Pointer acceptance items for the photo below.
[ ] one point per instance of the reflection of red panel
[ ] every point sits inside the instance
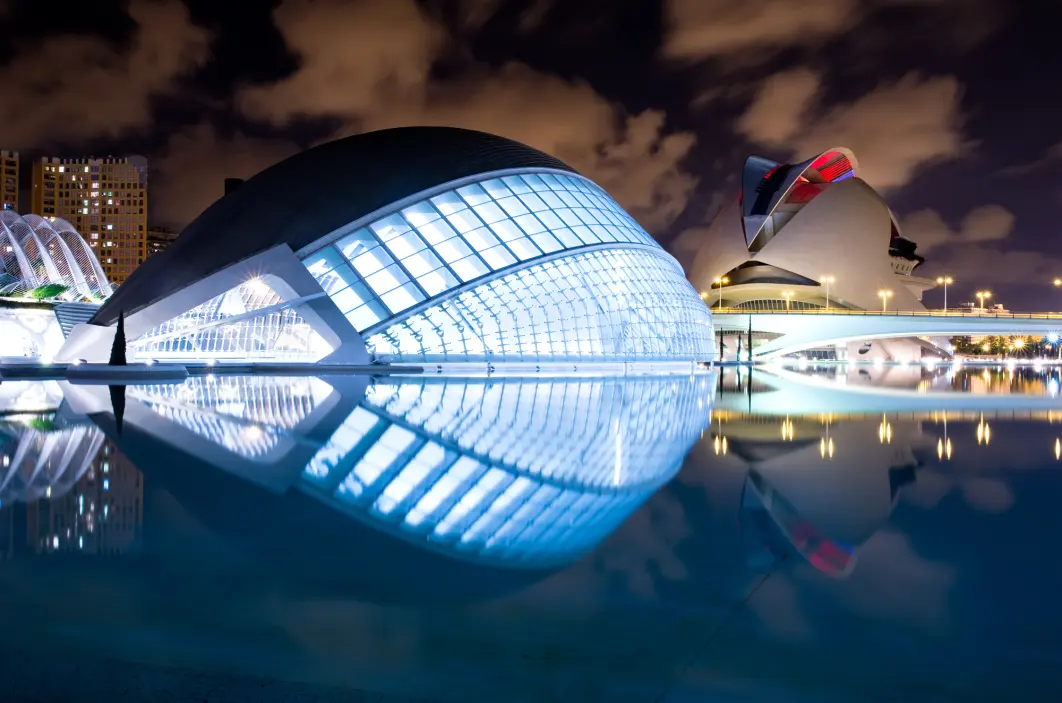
(831, 558)
(803, 193)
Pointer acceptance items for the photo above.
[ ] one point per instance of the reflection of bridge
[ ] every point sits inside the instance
(779, 391)
(797, 330)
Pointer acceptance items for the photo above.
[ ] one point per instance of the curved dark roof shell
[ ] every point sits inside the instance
(303, 198)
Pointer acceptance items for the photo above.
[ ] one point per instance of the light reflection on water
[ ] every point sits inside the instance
(535, 533)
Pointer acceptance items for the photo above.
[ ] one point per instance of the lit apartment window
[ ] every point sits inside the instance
(61, 169)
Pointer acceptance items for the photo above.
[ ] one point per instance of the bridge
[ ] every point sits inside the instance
(798, 330)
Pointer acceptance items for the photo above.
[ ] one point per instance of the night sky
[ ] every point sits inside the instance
(952, 107)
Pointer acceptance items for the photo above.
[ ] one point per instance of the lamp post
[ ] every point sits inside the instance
(884, 295)
(720, 282)
(1058, 283)
(982, 296)
(827, 280)
(787, 295)
(947, 280)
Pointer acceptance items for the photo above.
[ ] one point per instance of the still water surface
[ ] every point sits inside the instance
(811, 533)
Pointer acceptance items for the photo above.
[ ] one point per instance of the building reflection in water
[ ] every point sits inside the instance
(819, 487)
(819, 484)
(510, 472)
(63, 488)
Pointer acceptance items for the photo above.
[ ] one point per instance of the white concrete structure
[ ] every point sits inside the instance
(416, 245)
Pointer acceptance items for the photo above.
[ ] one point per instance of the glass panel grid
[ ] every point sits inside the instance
(461, 235)
(624, 304)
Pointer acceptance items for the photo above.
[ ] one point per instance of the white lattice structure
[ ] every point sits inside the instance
(35, 252)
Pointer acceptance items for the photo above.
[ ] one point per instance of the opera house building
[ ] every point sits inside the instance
(417, 245)
(807, 236)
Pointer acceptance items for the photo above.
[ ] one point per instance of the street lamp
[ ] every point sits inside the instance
(947, 280)
(827, 280)
(983, 295)
(787, 295)
(884, 295)
(1058, 283)
(720, 282)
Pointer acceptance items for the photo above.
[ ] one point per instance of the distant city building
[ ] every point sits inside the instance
(158, 238)
(9, 182)
(105, 199)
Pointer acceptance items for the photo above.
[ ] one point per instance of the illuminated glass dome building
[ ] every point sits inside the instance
(410, 245)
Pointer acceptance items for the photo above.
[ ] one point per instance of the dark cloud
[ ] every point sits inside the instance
(74, 88)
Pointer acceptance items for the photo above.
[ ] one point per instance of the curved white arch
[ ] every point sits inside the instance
(84, 257)
(40, 262)
(35, 251)
(16, 263)
(61, 255)
(808, 170)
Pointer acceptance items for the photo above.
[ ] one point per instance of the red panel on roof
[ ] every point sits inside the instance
(824, 159)
(838, 168)
(804, 192)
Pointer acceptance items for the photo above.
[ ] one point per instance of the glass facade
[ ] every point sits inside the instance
(227, 326)
(631, 304)
(376, 273)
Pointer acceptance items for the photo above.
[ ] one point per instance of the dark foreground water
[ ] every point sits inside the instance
(808, 534)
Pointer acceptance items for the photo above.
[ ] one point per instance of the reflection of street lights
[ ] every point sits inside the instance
(983, 295)
(984, 431)
(720, 282)
(884, 295)
(885, 430)
(787, 429)
(826, 443)
(827, 280)
(787, 294)
(945, 280)
(944, 443)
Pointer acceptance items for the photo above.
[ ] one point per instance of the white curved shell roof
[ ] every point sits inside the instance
(35, 251)
(810, 219)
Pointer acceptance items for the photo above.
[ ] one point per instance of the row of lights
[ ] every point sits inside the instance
(981, 295)
(721, 281)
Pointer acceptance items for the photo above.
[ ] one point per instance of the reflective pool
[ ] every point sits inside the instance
(808, 533)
